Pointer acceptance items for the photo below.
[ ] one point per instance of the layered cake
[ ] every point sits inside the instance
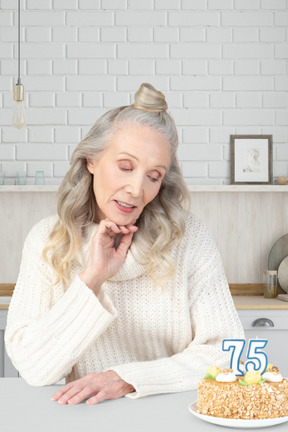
(252, 396)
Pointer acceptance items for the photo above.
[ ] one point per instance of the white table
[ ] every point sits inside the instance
(29, 409)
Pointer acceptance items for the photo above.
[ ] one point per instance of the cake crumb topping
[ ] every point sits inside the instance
(226, 371)
(231, 400)
(274, 370)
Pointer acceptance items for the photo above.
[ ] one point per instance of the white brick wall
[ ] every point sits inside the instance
(221, 63)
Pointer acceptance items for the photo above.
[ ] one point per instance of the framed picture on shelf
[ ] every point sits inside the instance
(251, 159)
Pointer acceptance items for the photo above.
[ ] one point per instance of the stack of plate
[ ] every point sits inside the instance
(278, 260)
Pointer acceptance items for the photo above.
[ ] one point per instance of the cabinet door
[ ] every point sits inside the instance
(276, 348)
(6, 367)
(270, 325)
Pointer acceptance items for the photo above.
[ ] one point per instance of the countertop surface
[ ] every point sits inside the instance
(241, 302)
(258, 303)
(25, 408)
(4, 302)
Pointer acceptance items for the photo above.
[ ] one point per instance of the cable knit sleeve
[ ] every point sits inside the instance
(212, 316)
(48, 328)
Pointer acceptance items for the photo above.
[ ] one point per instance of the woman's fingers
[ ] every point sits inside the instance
(82, 395)
(124, 244)
(60, 392)
(108, 228)
(96, 387)
(132, 228)
(74, 394)
(67, 396)
(107, 225)
(101, 395)
(108, 251)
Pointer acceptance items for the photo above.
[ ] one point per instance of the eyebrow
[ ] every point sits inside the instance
(134, 157)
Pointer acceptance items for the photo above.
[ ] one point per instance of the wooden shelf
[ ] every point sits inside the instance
(237, 189)
(192, 188)
(29, 188)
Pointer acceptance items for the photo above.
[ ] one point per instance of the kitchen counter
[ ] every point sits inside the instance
(259, 303)
(241, 302)
(30, 409)
(4, 302)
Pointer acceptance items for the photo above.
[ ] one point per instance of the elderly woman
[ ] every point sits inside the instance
(123, 292)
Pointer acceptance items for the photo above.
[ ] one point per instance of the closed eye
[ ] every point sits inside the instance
(125, 166)
(155, 176)
(154, 179)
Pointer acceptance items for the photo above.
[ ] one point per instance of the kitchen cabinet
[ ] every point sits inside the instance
(271, 324)
(6, 367)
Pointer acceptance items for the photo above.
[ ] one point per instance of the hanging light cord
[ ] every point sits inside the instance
(19, 79)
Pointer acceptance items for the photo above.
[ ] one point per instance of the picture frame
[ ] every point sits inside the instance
(251, 159)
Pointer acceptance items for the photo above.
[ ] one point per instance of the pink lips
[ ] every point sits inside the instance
(123, 208)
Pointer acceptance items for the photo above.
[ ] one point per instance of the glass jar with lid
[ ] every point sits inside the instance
(270, 283)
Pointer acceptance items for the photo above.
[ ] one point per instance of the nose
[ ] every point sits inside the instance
(135, 187)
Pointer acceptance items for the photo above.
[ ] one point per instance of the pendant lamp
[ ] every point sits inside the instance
(19, 116)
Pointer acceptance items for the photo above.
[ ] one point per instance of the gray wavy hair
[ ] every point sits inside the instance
(162, 222)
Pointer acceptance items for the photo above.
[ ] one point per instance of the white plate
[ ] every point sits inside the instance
(283, 274)
(236, 423)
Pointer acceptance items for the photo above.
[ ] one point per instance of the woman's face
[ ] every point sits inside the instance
(129, 173)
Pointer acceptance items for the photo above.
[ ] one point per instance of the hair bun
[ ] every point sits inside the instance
(148, 98)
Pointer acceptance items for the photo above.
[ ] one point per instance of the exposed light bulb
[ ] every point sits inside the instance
(19, 116)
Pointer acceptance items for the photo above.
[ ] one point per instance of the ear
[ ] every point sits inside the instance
(91, 165)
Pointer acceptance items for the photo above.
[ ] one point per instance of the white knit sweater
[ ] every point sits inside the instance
(158, 342)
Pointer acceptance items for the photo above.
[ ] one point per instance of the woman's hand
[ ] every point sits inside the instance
(104, 260)
(101, 386)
